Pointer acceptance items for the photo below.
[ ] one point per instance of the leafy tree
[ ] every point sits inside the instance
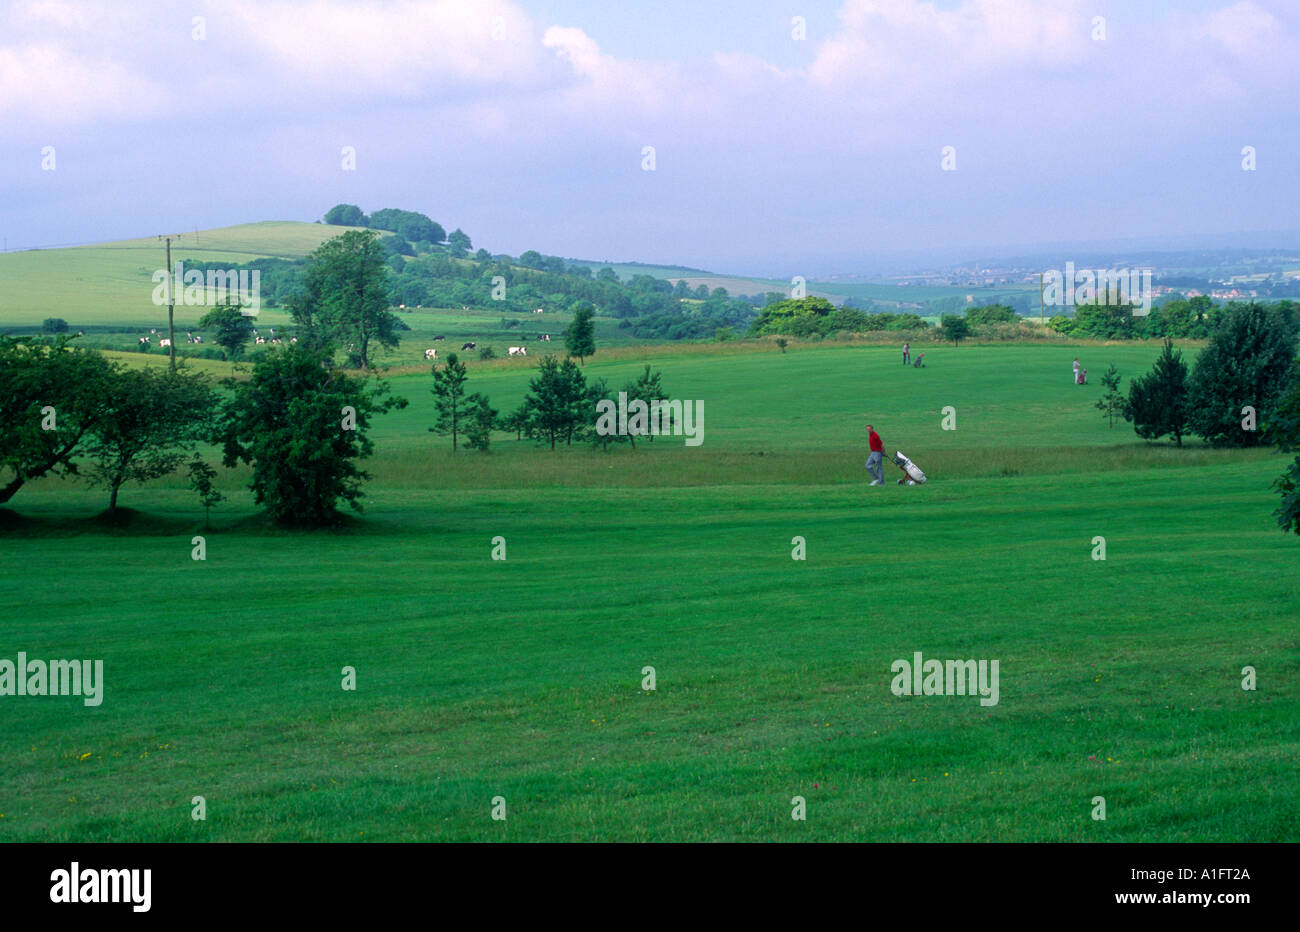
(1112, 401)
(201, 476)
(154, 418)
(409, 224)
(531, 259)
(449, 398)
(54, 325)
(1158, 401)
(1245, 364)
(954, 328)
(487, 353)
(482, 256)
(607, 275)
(346, 215)
(291, 422)
(580, 337)
(782, 343)
(979, 316)
(480, 418)
(231, 329)
(52, 396)
(796, 316)
(458, 243)
(518, 420)
(346, 296)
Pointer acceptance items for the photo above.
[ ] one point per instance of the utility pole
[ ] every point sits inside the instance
(171, 306)
(1040, 297)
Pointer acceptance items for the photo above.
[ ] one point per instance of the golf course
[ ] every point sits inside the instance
(499, 612)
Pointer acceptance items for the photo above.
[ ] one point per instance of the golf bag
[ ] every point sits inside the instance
(913, 473)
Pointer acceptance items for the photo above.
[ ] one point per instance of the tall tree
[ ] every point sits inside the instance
(1157, 402)
(449, 398)
(346, 296)
(302, 425)
(555, 401)
(580, 337)
(52, 395)
(1244, 365)
(154, 418)
(458, 243)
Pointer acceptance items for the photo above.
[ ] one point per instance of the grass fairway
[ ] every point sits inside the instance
(522, 678)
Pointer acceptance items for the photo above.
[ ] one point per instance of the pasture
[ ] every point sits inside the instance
(522, 678)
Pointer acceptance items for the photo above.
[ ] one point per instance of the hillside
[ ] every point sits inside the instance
(88, 285)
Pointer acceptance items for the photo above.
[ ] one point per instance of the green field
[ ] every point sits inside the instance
(522, 678)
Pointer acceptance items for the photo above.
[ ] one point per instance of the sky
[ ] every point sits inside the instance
(789, 137)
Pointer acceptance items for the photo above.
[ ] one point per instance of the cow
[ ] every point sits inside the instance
(164, 342)
(260, 340)
(518, 351)
(545, 338)
(438, 338)
(198, 339)
(538, 311)
(144, 341)
(431, 354)
(468, 346)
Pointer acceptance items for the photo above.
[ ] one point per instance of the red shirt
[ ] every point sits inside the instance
(873, 441)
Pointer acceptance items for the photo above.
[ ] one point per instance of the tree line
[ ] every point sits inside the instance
(1242, 391)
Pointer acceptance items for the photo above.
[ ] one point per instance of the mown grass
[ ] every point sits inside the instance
(522, 678)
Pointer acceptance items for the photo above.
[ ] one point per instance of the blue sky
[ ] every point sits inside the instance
(524, 122)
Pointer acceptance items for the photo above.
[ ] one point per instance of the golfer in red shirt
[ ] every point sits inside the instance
(875, 462)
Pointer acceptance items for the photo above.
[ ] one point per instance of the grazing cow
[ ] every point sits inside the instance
(164, 342)
(198, 339)
(545, 338)
(467, 346)
(437, 338)
(431, 354)
(81, 333)
(153, 331)
(518, 351)
(260, 340)
(293, 339)
(144, 341)
(401, 307)
(538, 311)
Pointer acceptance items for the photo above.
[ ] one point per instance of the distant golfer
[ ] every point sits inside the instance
(1076, 370)
(875, 460)
(907, 353)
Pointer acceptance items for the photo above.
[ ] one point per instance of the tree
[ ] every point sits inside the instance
(554, 401)
(980, 315)
(201, 476)
(1157, 402)
(480, 418)
(346, 296)
(346, 215)
(302, 426)
(487, 353)
(52, 395)
(1283, 429)
(1112, 401)
(154, 418)
(782, 343)
(482, 256)
(449, 398)
(1245, 364)
(231, 329)
(954, 328)
(580, 337)
(458, 243)
(54, 325)
(647, 387)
